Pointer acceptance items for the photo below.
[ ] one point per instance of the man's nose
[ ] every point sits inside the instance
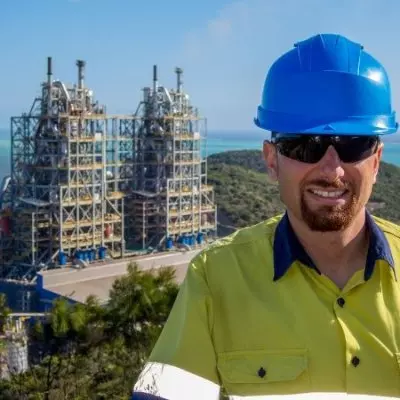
(331, 164)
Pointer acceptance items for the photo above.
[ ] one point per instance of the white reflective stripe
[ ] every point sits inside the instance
(319, 396)
(173, 383)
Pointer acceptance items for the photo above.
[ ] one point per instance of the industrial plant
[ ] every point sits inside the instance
(88, 187)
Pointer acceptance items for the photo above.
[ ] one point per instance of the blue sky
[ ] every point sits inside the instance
(225, 47)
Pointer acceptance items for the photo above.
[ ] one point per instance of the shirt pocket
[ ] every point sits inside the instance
(263, 372)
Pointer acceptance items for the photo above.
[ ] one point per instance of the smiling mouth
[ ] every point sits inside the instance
(331, 194)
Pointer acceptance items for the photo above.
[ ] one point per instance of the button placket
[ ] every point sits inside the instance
(350, 345)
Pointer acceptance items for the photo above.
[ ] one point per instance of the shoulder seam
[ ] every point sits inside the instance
(262, 226)
(388, 227)
(391, 232)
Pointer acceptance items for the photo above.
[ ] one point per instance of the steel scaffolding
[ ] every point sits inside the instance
(86, 185)
(172, 204)
(71, 167)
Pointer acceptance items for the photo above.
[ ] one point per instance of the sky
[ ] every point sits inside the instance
(224, 47)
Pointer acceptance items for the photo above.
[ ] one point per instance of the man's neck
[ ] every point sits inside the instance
(336, 254)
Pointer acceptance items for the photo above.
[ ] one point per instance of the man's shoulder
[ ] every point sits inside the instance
(245, 244)
(391, 229)
(247, 235)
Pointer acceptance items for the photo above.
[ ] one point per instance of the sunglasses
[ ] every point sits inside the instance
(311, 148)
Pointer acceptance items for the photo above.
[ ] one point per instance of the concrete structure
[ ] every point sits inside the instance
(98, 278)
(87, 186)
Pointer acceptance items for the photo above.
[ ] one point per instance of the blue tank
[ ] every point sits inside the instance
(79, 254)
(62, 258)
(169, 243)
(200, 238)
(102, 253)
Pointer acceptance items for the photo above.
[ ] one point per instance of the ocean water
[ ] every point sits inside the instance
(215, 144)
(5, 155)
(391, 150)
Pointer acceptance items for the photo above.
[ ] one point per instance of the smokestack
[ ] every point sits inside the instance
(49, 78)
(155, 83)
(49, 69)
(155, 89)
(81, 72)
(179, 82)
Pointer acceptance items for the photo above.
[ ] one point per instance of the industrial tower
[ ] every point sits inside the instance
(87, 186)
(172, 203)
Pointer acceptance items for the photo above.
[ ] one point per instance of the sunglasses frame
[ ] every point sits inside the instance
(322, 143)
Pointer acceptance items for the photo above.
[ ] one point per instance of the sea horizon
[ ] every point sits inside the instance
(218, 142)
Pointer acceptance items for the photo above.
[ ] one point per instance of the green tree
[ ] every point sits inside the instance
(4, 312)
(139, 305)
(88, 351)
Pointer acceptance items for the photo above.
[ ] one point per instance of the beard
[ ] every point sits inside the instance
(330, 218)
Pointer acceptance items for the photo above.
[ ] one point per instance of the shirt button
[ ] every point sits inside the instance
(262, 372)
(355, 361)
(341, 301)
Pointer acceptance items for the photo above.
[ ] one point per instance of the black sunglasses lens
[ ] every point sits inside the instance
(356, 148)
(310, 149)
(302, 149)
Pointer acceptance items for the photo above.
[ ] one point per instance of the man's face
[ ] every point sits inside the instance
(326, 195)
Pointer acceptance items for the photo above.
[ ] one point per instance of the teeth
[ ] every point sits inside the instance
(328, 194)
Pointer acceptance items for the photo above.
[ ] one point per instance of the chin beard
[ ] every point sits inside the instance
(329, 218)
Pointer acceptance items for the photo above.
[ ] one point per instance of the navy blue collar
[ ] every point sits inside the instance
(288, 249)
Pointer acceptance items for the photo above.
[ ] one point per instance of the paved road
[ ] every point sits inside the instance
(97, 279)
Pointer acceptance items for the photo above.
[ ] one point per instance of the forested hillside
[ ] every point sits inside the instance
(245, 196)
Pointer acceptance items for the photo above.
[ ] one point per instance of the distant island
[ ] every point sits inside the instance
(245, 196)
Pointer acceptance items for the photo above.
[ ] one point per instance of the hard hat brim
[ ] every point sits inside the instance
(360, 126)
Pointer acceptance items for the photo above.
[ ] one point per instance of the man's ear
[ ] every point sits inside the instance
(377, 161)
(271, 160)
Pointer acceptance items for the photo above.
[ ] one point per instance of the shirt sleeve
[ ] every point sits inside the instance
(182, 364)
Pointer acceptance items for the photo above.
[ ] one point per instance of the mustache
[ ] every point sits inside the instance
(336, 184)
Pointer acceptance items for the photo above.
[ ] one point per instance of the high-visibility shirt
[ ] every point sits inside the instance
(255, 317)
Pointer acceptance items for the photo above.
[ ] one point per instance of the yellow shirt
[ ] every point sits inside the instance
(255, 317)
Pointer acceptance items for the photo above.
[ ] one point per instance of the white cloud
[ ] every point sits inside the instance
(220, 28)
(230, 18)
(217, 32)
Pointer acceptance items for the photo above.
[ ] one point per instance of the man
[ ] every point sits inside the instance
(308, 302)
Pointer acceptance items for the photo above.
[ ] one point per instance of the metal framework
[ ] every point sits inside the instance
(85, 184)
(71, 166)
(172, 203)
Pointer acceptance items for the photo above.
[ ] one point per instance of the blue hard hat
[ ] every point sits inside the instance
(327, 84)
